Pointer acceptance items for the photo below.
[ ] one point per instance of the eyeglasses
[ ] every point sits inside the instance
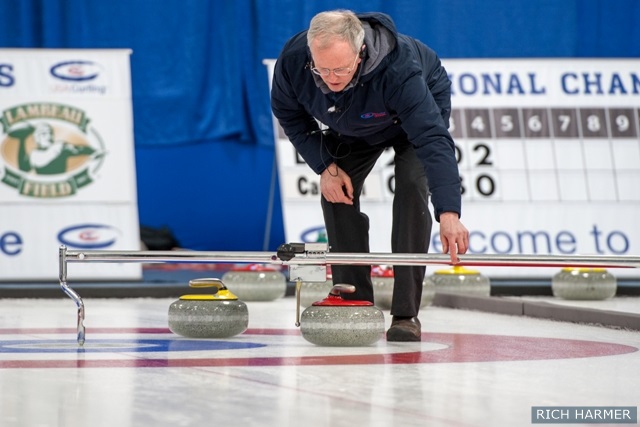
(340, 72)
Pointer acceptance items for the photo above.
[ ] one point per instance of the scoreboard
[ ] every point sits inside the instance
(548, 154)
(549, 157)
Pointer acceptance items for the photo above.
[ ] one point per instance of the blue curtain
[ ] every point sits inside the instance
(187, 64)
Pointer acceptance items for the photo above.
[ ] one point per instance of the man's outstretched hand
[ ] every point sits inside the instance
(453, 235)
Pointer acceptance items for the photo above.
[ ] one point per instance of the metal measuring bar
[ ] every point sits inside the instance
(308, 261)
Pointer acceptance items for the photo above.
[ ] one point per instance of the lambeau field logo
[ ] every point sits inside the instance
(48, 150)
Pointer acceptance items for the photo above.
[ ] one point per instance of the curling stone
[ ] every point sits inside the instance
(311, 292)
(337, 322)
(428, 293)
(220, 315)
(460, 280)
(382, 278)
(256, 282)
(584, 284)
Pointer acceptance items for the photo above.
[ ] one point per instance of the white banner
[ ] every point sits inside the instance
(67, 170)
(549, 155)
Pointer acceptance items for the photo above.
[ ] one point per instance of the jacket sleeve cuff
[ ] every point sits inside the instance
(455, 209)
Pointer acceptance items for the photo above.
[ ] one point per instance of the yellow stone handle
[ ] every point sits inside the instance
(220, 291)
(207, 283)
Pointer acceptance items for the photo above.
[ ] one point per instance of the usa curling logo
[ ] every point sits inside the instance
(49, 150)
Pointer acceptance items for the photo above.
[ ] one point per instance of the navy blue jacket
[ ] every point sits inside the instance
(406, 94)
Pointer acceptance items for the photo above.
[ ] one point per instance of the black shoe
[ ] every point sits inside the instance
(404, 329)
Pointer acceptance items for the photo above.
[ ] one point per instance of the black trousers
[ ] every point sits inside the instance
(348, 227)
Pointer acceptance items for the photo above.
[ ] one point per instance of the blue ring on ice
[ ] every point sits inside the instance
(121, 345)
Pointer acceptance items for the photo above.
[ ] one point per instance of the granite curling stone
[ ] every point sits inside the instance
(256, 282)
(460, 280)
(382, 279)
(220, 315)
(584, 284)
(336, 322)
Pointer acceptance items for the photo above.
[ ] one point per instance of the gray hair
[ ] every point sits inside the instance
(344, 25)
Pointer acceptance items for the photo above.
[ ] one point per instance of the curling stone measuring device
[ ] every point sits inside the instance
(308, 262)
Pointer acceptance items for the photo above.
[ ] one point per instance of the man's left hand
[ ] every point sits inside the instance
(453, 235)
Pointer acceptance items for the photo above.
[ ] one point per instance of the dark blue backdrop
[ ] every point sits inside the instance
(203, 131)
